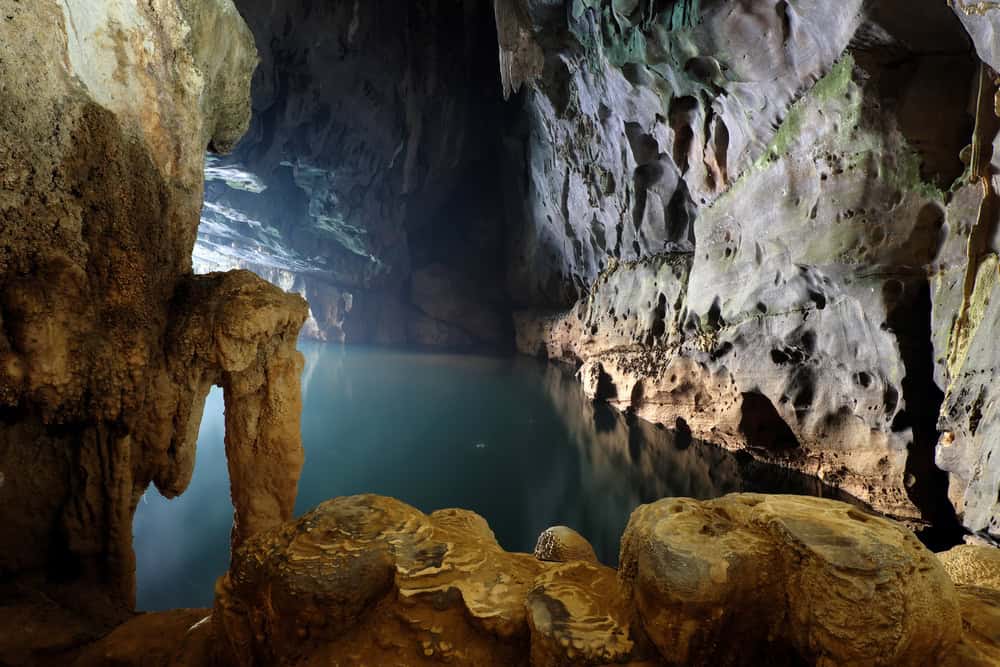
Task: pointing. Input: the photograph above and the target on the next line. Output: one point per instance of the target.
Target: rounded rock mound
(560, 544)
(754, 579)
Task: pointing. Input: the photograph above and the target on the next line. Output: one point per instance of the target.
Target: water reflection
(625, 462)
(512, 439)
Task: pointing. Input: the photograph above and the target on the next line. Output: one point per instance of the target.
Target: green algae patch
(906, 177)
(836, 83)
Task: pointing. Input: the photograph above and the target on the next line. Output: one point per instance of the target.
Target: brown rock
(750, 578)
(560, 544)
(981, 623)
(580, 616)
(975, 570)
(176, 638)
(108, 344)
(235, 330)
(35, 628)
(370, 580)
(743, 580)
(973, 565)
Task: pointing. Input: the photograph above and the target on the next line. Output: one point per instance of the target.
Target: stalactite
(521, 58)
(977, 251)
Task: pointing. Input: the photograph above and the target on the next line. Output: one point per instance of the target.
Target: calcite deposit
(747, 579)
(770, 225)
(108, 344)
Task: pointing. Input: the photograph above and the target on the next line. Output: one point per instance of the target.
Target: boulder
(975, 570)
(560, 544)
(371, 580)
(752, 579)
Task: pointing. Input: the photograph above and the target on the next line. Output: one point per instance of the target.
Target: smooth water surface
(510, 438)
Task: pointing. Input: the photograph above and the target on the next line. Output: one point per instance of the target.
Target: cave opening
(592, 270)
(386, 179)
(186, 539)
(370, 180)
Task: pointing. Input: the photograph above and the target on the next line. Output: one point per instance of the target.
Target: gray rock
(789, 312)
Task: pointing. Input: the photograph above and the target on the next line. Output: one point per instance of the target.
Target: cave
(521, 332)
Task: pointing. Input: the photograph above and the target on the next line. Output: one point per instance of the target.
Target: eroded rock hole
(763, 427)
(681, 117)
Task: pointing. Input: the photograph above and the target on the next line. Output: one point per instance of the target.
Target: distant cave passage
(763, 427)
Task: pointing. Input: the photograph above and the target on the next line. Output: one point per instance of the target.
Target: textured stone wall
(966, 320)
(108, 345)
(757, 226)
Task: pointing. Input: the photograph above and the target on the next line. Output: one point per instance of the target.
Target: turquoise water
(510, 438)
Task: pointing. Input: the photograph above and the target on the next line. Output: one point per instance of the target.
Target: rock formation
(746, 579)
(965, 320)
(975, 571)
(108, 344)
(750, 217)
(560, 544)
(772, 261)
(782, 574)
(375, 152)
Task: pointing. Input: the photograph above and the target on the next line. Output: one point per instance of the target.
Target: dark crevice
(681, 116)
(681, 213)
(763, 427)
(926, 484)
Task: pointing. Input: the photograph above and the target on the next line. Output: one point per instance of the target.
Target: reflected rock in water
(626, 461)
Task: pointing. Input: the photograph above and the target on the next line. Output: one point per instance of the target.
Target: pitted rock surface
(371, 579)
(785, 575)
(799, 322)
(742, 580)
(560, 544)
(973, 565)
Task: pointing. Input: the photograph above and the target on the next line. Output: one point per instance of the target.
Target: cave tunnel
(651, 290)
(371, 178)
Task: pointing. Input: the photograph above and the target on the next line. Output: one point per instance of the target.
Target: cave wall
(108, 344)
(376, 136)
(752, 220)
(965, 316)
(749, 219)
